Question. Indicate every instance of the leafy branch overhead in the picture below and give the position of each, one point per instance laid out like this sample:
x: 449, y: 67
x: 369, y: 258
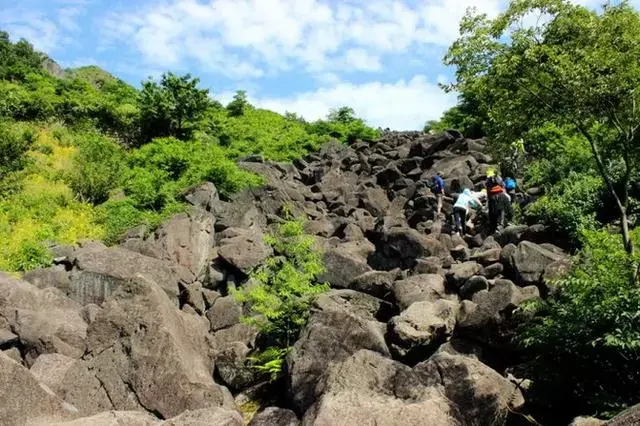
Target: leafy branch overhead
x: 574, y: 67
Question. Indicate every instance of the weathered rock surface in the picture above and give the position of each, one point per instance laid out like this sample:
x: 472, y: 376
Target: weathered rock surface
x: 147, y: 354
x: 45, y: 321
x: 23, y: 399
x: 99, y: 273
x: 482, y: 396
x: 368, y: 388
x: 332, y: 334
x: 275, y: 416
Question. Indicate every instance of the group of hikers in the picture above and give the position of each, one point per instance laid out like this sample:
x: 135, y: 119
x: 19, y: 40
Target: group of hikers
x: 498, y: 194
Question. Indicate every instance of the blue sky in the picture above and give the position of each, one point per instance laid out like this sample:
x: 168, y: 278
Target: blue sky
x: 382, y: 57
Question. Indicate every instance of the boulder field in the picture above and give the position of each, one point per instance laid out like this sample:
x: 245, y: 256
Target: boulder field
x: 414, y: 330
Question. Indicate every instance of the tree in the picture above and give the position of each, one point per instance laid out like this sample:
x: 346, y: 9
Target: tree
x: 239, y: 103
x: 343, y: 114
x: 574, y: 68
x: 171, y: 107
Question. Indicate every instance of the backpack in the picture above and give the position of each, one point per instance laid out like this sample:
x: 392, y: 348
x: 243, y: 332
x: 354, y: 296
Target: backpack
x: 510, y: 184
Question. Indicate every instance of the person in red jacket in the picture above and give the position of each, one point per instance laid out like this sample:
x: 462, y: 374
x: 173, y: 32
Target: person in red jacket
x: 499, y: 201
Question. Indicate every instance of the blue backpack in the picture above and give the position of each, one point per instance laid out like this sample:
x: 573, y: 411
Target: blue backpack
x: 509, y: 184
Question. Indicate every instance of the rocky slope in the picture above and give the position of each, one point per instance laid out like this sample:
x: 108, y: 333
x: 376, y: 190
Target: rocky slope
x: 412, y: 332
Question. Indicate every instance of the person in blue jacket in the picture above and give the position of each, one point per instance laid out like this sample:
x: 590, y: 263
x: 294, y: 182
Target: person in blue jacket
x: 438, y: 189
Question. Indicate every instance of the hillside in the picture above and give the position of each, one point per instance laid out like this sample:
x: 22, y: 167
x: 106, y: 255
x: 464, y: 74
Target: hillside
x: 90, y: 156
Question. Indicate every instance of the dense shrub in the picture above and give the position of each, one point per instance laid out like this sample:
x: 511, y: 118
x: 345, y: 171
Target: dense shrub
x: 14, y: 143
x: 569, y: 207
x: 285, y: 286
x: 586, y: 338
x: 97, y: 168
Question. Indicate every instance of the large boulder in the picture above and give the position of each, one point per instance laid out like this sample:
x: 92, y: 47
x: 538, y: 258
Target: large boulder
x: 629, y: 417
x: 376, y: 283
x: 24, y: 399
x: 107, y: 418
x: 213, y: 416
x: 529, y: 262
x: 224, y: 313
x: 186, y: 240
x: 243, y: 249
x: 369, y: 389
x: 335, y: 330
x: 272, y: 416
x: 204, y: 196
x: 490, y: 308
x: 46, y: 321
x: 482, y: 395
x: 99, y: 273
x: 344, y: 262
x: 421, y: 327
x: 149, y: 355
x: 400, y: 247
x: 375, y: 201
x: 459, y: 273
x: 49, y: 277
x: 419, y: 288
x: 71, y: 380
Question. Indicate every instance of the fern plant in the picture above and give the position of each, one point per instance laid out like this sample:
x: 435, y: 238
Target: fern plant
x: 285, y: 286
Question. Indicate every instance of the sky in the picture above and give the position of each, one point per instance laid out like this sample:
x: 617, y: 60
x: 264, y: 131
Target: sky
x: 381, y: 57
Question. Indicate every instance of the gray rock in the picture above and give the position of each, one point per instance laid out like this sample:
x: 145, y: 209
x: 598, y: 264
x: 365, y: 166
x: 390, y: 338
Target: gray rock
x: 421, y: 327
x: 49, y: 277
x: 272, y: 416
x: 99, y: 273
x: 343, y: 263
x: 376, y: 283
x: 473, y: 285
x: 224, y: 313
x: 107, y: 418
x: 400, y: 247
x: 530, y: 261
x: 186, y: 240
x: 71, y: 380
x: 46, y: 321
x: 148, y: 354
x: 368, y: 388
x: 428, y: 265
x: 204, y: 196
x: 419, y: 288
x: 212, y: 416
x: 245, y: 250
x: 487, y: 257
x: 233, y: 367
x: 459, y: 273
x: 332, y: 334
x: 482, y: 396
x: 375, y: 201
x: 490, y: 307
x: 492, y: 271
x: 24, y: 399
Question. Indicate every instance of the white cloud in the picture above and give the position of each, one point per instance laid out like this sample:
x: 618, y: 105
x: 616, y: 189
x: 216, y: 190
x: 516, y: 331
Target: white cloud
x: 400, y: 105
x: 47, y: 32
x: 318, y: 36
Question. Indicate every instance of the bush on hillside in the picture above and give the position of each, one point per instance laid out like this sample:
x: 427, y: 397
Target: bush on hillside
x: 585, y: 339
x: 15, y: 141
x: 97, y: 168
x: 569, y: 207
x: 284, y: 288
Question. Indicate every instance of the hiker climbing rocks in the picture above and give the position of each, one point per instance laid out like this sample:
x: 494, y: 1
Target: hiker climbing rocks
x: 498, y: 200
x: 465, y: 201
x: 438, y: 189
x: 510, y: 188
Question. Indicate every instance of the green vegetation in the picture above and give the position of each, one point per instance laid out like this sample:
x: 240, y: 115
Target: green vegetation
x: 577, y: 71
x: 88, y: 156
x: 281, y: 294
x: 586, y: 340
x: 567, y: 86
